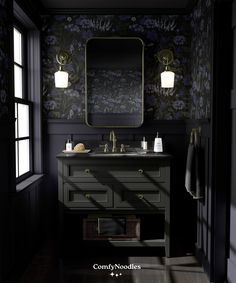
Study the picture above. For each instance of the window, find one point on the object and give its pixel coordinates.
(23, 108)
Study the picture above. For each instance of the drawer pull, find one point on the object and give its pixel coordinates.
(87, 171)
(140, 171)
(140, 196)
(87, 196)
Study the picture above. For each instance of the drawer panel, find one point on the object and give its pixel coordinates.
(138, 172)
(88, 195)
(121, 173)
(74, 170)
(139, 196)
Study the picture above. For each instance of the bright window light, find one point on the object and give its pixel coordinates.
(17, 47)
(17, 160)
(23, 123)
(18, 88)
(24, 160)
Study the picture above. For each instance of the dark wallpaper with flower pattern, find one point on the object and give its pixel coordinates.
(183, 34)
(157, 32)
(4, 61)
(201, 54)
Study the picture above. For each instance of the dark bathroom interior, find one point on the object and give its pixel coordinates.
(130, 206)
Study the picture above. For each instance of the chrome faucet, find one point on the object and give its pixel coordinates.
(113, 139)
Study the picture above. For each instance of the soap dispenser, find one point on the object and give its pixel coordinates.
(144, 144)
(69, 144)
(158, 147)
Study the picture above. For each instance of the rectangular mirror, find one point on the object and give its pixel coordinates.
(114, 72)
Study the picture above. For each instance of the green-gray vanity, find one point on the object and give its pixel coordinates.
(98, 190)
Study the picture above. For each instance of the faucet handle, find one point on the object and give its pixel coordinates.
(106, 149)
(122, 148)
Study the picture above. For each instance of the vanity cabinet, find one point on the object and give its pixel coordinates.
(92, 186)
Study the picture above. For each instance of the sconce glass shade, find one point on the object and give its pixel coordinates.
(167, 79)
(61, 79)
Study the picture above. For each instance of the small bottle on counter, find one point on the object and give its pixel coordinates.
(68, 145)
(158, 146)
(144, 144)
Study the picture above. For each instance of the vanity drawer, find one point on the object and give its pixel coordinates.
(93, 173)
(87, 171)
(140, 196)
(140, 173)
(88, 195)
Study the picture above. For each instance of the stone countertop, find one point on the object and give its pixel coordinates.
(125, 155)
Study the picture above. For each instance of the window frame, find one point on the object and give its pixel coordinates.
(24, 101)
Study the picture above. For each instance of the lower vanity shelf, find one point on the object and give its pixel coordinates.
(114, 203)
(122, 230)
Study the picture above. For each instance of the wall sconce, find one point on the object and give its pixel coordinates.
(61, 77)
(165, 56)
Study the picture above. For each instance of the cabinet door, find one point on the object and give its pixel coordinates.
(141, 195)
(88, 195)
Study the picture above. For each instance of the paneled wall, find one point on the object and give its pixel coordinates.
(204, 206)
(232, 232)
(26, 221)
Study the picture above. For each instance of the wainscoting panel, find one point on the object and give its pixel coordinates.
(204, 220)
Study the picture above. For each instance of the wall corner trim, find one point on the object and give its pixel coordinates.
(233, 99)
(234, 14)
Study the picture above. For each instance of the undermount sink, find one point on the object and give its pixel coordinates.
(116, 153)
(129, 152)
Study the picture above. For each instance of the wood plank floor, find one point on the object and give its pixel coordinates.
(45, 268)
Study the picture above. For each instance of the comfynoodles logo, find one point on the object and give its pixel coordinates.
(116, 266)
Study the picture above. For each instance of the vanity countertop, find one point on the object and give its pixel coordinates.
(125, 155)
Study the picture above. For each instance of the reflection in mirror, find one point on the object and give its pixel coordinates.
(114, 82)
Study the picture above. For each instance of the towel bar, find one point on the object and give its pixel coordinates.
(195, 135)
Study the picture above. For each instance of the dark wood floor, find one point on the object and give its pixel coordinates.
(45, 268)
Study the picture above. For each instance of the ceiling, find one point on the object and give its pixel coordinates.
(117, 4)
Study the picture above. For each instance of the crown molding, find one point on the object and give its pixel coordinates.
(115, 11)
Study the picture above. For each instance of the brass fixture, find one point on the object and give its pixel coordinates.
(113, 139)
(122, 148)
(61, 77)
(106, 149)
(166, 57)
(140, 196)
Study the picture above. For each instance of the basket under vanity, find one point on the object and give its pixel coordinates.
(114, 200)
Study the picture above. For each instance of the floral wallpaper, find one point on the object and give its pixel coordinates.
(4, 63)
(71, 32)
(114, 91)
(188, 36)
(201, 64)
